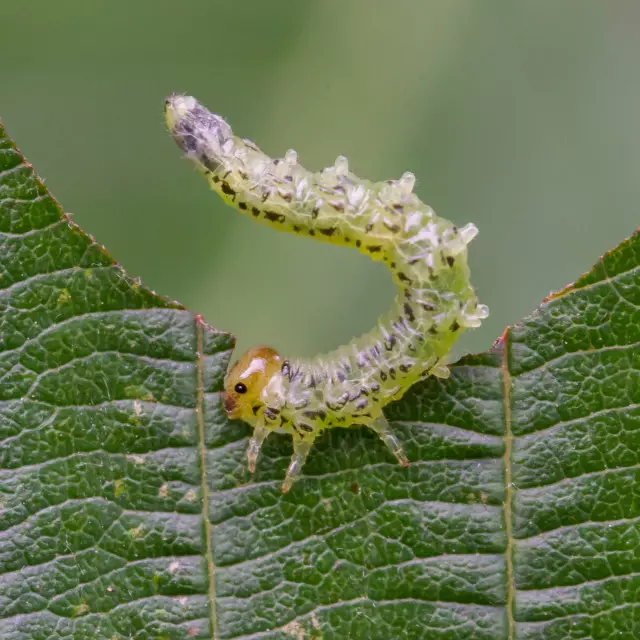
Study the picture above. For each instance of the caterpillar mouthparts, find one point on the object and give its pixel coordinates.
(427, 256)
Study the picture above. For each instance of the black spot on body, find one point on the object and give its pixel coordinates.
(454, 326)
(328, 232)
(408, 310)
(403, 277)
(210, 163)
(358, 243)
(390, 342)
(315, 415)
(306, 427)
(405, 368)
(450, 261)
(255, 409)
(216, 179)
(383, 376)
(242, 205)
(274, 216)
(374, 248)
(255, 211)
(227, 190)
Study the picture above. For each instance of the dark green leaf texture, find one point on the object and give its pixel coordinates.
(126, 510)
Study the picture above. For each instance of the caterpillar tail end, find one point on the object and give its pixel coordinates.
(197, 131)
(176, 108)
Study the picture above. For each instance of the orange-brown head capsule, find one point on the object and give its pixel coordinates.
(246, 380)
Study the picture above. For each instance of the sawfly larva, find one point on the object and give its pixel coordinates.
(426, 254)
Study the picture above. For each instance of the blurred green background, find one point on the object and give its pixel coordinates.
(519, 116)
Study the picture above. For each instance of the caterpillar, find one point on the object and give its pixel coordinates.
(426, 254)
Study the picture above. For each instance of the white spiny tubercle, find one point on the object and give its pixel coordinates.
(328, 175)
(341, 166)
(291, 157)
(407, 182)
(482, 311)
(468, 232)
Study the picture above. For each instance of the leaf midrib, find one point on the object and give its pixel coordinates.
(202, 455)
(508, 488)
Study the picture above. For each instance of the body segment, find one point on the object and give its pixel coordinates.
(384, 220)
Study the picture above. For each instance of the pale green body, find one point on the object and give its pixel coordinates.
(385, 220)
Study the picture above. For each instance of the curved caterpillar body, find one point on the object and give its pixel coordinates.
(426, 254)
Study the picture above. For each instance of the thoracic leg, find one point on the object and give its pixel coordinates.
(255, 444)
(381, 427)
(301, 450)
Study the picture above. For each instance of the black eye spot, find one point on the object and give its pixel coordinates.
(240, 388)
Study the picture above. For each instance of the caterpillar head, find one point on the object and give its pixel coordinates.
(246, 380)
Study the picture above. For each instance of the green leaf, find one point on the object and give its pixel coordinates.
(126, 510)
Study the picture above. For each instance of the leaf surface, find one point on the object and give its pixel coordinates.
(126, 510)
